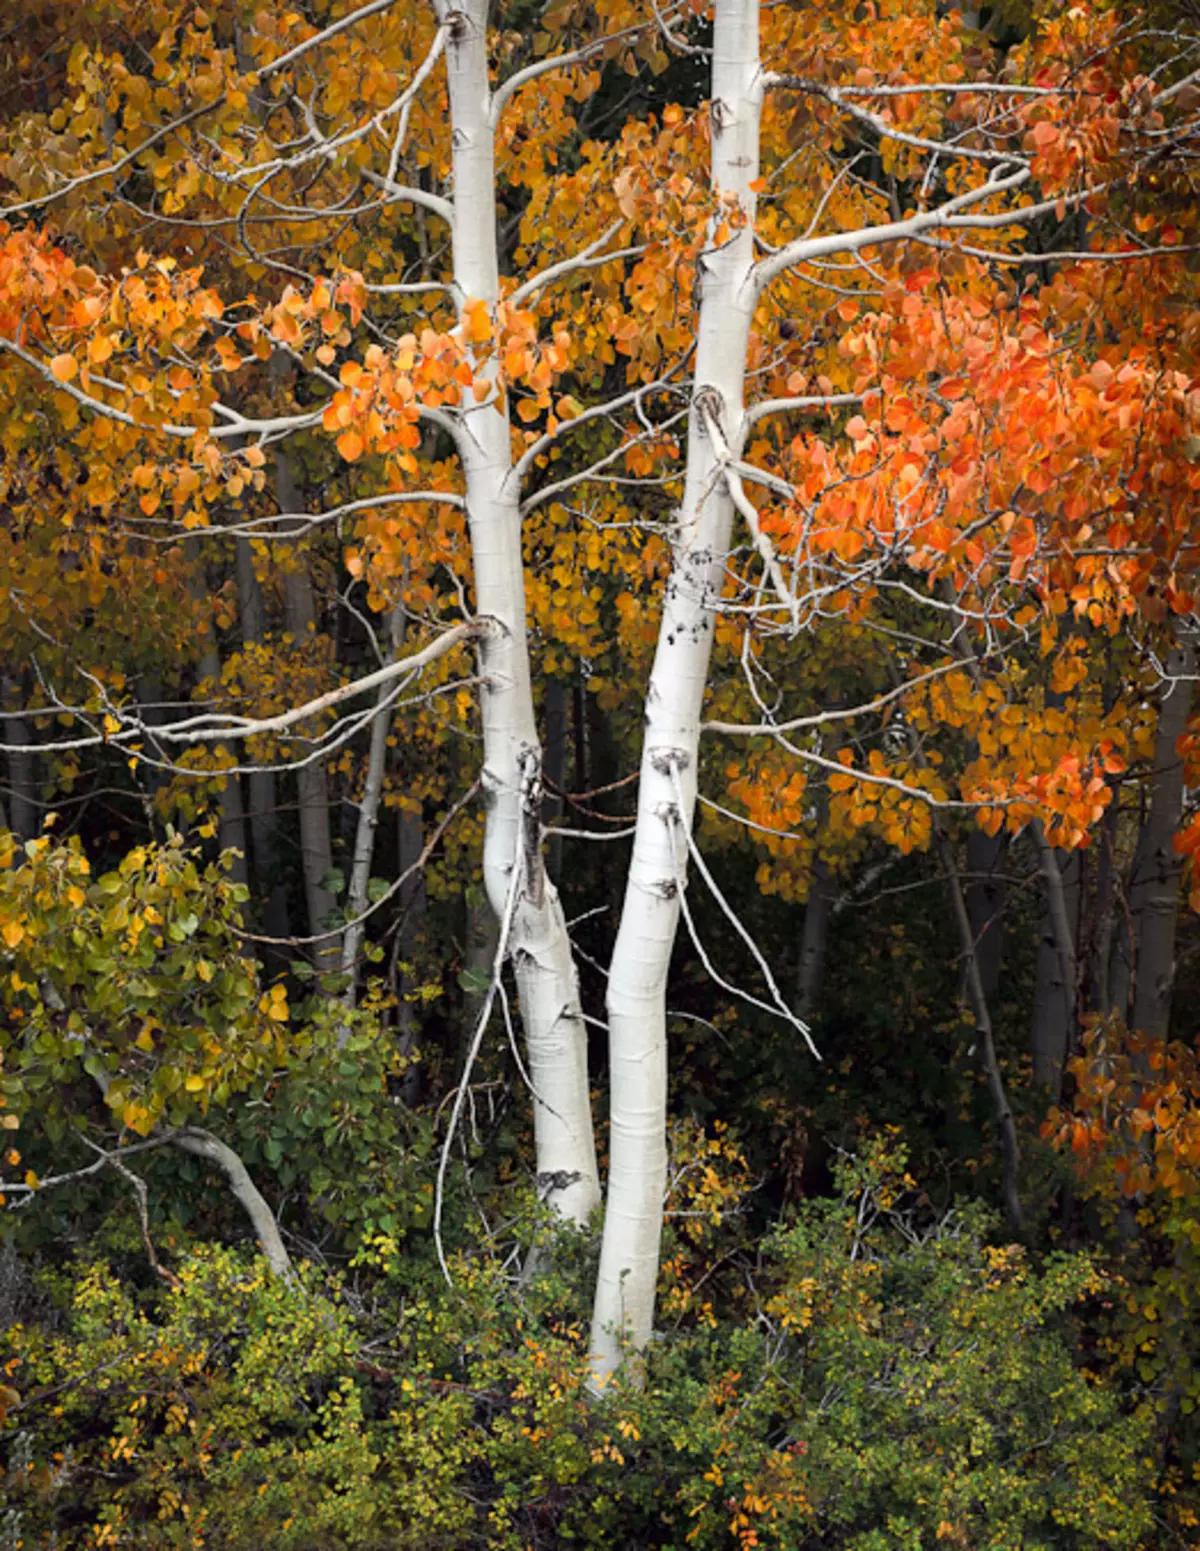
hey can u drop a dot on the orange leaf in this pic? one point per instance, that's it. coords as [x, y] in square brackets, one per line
[64, 367]
[350, 445]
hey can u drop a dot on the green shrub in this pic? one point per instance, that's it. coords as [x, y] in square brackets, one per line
[879, 1376]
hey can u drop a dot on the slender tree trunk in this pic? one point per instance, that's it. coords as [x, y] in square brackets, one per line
[814, 939]
[1101, 937]
[1154, 888]
[986, 896]
[981, 1012]
[410, 844]
[22, 776]
[624, 1306]
[1054, 997]
[264, 801]
[312, 790]
[364, 832]
[230, 808]
[512, 851]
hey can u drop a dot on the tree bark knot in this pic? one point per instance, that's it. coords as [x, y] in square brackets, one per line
[710, 404]
[664, 761]
[556, 1179]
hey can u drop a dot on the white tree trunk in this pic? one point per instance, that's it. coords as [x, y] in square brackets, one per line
[512, 853]
[624, 1307]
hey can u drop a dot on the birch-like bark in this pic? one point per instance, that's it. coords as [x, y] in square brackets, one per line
[540, 948]
[364, 843]
[203, 1144]
[624, 1306]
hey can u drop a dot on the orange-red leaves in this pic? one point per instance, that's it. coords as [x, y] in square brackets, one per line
[477, 322]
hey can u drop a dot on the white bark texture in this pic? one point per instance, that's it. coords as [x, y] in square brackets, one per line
[547, 984]
[624, 1306]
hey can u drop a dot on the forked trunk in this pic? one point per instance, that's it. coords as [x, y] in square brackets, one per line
[624, 1307]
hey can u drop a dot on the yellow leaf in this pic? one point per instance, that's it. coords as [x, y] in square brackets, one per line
[194, 1083]
[350, 445]
[13, 933]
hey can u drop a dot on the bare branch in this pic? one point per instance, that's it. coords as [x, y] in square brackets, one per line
[587, 258]
[766, 407]
[883, 128]
[824, 718]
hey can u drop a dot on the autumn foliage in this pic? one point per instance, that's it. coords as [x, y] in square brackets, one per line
[525, 572]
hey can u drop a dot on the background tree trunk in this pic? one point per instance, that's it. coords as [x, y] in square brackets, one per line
[22, 774]
[1154, 886]
[1054, 995]
[264, 801]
